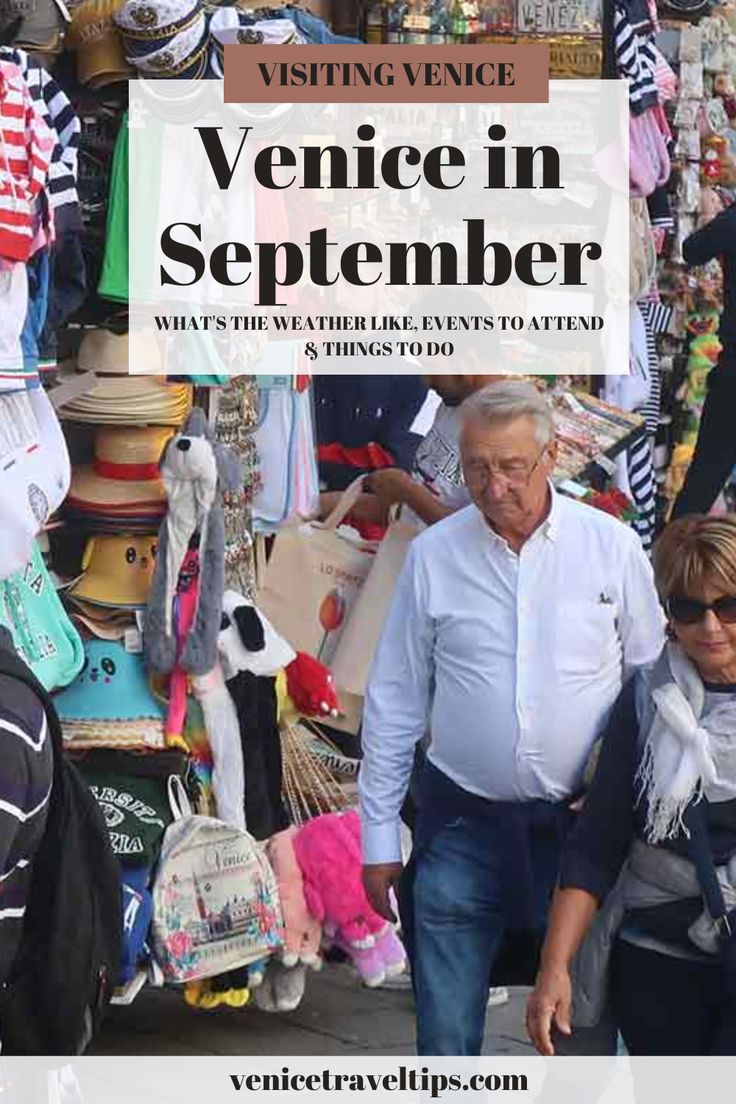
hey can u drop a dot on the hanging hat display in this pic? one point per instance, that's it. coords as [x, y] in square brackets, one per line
[233, 26]
[104, 622]
[117, 571]
[134, 400]
[110, 703]
[107, 353]
[41, 24]
[124, 477]
[94, 38]
[184, 57]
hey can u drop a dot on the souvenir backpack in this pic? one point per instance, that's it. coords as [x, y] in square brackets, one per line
[68, 959]
[215, 897]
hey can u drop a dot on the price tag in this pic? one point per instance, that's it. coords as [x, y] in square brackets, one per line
[133, 642]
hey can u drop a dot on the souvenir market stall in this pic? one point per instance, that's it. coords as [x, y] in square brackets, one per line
[679, 59]
[136, 600]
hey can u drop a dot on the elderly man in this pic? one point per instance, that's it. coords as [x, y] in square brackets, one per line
[514, 623]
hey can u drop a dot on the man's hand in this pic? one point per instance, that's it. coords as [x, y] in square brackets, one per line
[550, 1003]
[389, 483]
[378, 879]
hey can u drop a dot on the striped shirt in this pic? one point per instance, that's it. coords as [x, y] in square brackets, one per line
[26, 146]
[59, 114]
[635, 60]
[26, 773]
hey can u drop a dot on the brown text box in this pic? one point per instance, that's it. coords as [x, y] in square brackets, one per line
[387, 74]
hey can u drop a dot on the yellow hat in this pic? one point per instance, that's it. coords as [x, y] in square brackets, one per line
[117, 571]
[97, 43]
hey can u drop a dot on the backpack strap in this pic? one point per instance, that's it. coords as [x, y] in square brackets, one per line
[178, 798]
[701, 855]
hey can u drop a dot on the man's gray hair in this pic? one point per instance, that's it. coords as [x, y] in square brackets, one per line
[510, 399]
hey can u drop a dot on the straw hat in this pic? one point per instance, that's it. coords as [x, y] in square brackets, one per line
[117, 571]
[131, 400]
[107, 353]
[104, 622]
[124, 476]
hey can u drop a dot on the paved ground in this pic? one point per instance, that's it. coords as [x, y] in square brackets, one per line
[337, 1016]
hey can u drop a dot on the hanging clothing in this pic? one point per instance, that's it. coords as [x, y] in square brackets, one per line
[635, 62]
[114, 276]
[642, 488]
[656, 317]
[26, 147]
[54, 106]
[359, 410]
[255, 703]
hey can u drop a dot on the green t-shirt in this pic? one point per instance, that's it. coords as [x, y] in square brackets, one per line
[114, 277]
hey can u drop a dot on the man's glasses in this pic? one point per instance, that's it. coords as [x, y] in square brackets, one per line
[515, 473]
[689, 611]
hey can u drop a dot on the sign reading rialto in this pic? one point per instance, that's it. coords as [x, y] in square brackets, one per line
[343, 230]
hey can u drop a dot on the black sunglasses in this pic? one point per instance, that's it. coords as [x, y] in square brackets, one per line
[688, 611]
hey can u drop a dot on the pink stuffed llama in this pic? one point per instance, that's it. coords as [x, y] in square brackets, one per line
[330, 862]
[387, 957]
[302, 933]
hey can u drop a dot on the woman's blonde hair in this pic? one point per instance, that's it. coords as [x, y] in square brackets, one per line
[695, 549]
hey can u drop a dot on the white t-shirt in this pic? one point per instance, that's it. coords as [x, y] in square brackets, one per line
[437, 464]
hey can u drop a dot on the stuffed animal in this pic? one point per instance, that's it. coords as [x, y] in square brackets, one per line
[717, 161]
[702, 322]
[702, 355]
[195, 470]
[330, 863]
[723, 86]
[223, 735]
[310, 688]
[202, 994]
[282, 989]
[302, 933]
[248, 642]
[386, 958]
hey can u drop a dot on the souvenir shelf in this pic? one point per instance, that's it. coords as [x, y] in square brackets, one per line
[590, 434]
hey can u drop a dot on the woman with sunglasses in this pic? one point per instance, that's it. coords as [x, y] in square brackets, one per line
[629, 925]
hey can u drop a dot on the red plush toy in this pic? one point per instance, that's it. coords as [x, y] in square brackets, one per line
[311, 689]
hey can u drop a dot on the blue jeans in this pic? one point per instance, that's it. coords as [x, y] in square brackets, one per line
[459, 922]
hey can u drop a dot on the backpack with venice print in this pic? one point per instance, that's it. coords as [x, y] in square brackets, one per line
[215, 897]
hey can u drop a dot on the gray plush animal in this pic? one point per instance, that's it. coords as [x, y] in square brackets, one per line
[195, 470]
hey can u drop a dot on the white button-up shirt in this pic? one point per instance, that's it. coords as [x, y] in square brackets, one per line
[512, 660]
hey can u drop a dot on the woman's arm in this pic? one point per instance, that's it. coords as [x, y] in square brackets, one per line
[593, 855]
[570, 917]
